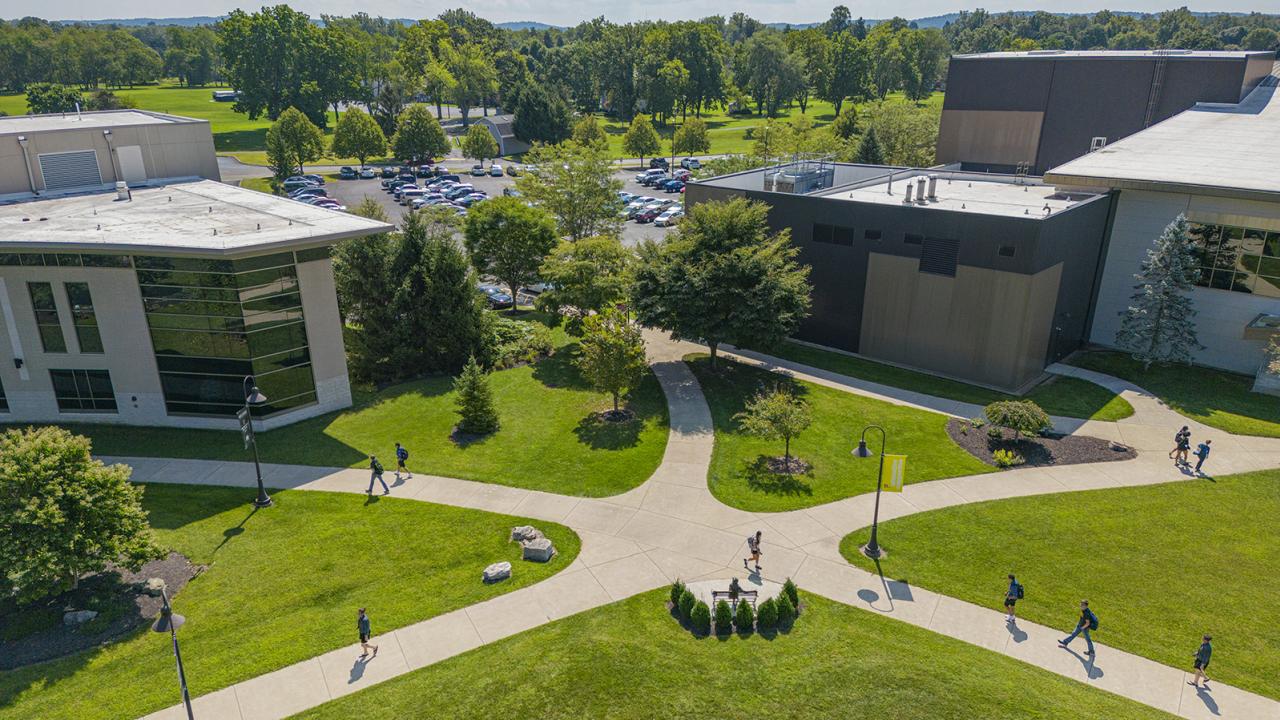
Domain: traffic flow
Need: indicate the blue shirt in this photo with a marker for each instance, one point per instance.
(1202, 450)
(1013, 589)
(402, 454)
(363, 623)
(1203, 653)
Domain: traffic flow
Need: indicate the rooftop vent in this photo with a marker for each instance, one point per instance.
(933, 187)
(906, 196)
(920, 183)
(122, 191)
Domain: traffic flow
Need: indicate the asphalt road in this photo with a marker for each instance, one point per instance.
(352, 192)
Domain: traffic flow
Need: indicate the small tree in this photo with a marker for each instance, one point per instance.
(358, 135)
(724, 618)
(869, 150)
(1024, 417)
(690, 138)
(478, 144)
(641, 140)
(1158, 326)
(576, 184)
(767, 615)
(686, 604)
(612, 354)
(745, 618)
(292, 142)
(776, 414)
(477, 414)
(64, 514)
(700, 618)
(419, 135)
(786, 609)
(508, 239)
(585, 276)
(846, 123)
(587, 131)
(45, 98)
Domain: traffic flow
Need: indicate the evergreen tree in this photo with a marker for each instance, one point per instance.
(358, 135)
(869, 151)
(362, 277)
(476, 411)
(845, 125)
(611, 357)
(419, 135)
(641, 140)
(1158, 326)
(541, 116)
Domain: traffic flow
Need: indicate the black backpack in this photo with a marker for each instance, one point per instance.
(1021, 593)
(1093, 621)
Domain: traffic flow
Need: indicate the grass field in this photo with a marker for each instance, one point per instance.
(282, 585)
(548, 439)
(738, 478)
(1068, 397)
(631, 660)
(1160, 565)
(1216, 398)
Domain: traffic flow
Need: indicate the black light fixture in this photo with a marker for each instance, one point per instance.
(872, 548)
(253, 396)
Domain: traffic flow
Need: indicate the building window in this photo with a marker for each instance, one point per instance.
(1238, 259)
(939, 256)
(1006, 251)
(913, 239)
(47, 323)
(870, 234)
(4, 399)
(83, 390)
(83, 317)
(832, 234)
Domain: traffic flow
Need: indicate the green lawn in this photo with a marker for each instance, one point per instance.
(1160, 565)
(548, 440)
(1068, 397)
(631, 660)
(736, 475)
(282, 585)
(1214, 397)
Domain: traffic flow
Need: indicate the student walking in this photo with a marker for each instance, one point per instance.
(375, 473)
(753, 545)
(1202, 452)
(366, 632)
(1178, 439)
(1202, 656)
(402, 456)
(1087, 623)
(1011, 598)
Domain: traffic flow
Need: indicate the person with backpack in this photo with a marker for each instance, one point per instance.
(1178, 439)
(402, 455)
(753, 545)
(1087, 623)
(375, 473)
(1011, 598)
(1202, 452)
(1202, 656)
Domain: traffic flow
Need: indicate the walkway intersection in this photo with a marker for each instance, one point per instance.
(672, 527)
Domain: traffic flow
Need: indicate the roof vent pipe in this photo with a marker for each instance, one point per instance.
(933, 187)
(920, 181)
(906, 196)
(122, 190)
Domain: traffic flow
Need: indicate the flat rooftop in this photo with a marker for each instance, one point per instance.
(969, 193)
(201, 217)
(1171, 54)
(20, 124)
(1230, 150)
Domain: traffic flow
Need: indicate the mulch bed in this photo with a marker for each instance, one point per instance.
(1052, 449)
(783, 466)
(122, 607)
(620, 415)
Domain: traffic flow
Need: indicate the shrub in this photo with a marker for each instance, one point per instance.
(1021, 416)
(745, 618)
(1007, 458)
(767, 615)
(977, 422)
(786, 609)
(686, 603)
(677, 589)
(792, 592)
(700, 618)
(995, 433)
(724, 618)
(513, 342)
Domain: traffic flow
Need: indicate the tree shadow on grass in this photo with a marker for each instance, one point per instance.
(761, 478)
(558, 370)
(238, 140)
(601, 434)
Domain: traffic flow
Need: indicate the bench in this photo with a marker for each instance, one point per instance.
(748, 595)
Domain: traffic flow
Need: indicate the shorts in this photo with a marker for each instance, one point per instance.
(1201, 666)
(364, 637)
(400, 464)
(1010, 602)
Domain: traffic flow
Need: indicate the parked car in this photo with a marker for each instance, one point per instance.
(477, 170)
(307, 189)
(495, 296)
(407, 177)
(513, 170)
(347, 173)
(450, 177)
(640, 178)
(653, 180)
(426, 171)
(388, 172)
(408, 194)
(510, 192)
(317, 179)
(659, 162)
(673, 186)
(296, 182)
(681, 174)
(469, 200)
(648, 214)
(459, 191)
(670, 216)
(495, 170)
(440, 170)
(690, 163)
(400, 191)
(405, 170)
(368, 173)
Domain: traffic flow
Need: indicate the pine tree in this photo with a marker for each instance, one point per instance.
(869, 150)
(1158, 325)
(477, 414)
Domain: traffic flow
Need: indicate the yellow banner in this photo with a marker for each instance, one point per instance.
(895, 470)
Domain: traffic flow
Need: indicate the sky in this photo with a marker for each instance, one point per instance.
(569, 12)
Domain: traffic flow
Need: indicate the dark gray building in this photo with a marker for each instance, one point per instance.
(1038, 109)
(985, 278)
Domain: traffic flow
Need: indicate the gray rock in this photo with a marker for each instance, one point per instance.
(497, 571)
(153, 586)
(540, 550)
(78, 617)
(524, 533)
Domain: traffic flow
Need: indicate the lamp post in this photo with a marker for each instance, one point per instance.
(872, 548)
(253, 396)
(169, 622)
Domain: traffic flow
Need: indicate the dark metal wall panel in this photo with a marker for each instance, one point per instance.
(998, 84)
(1187, 82)
(1076, 239)
(1106, 97)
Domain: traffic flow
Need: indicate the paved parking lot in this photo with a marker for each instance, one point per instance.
(351, 192)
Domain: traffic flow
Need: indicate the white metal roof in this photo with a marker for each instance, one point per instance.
(1232, 54)
(19, 124)
(203, 217)
(964, 193)
(1212, 148)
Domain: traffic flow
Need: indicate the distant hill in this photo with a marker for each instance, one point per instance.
(131, 22)
(527, 25)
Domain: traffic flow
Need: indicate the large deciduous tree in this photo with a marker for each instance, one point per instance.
(419, 135)
(575, 183)
(723, 279)
(44, 98)
(641, 140)
(611, 354)
(64, 514)
(586, 275)
(1159, 324)
(508, 239)
(690, 138)
(357, 135)
(478, 144)
(273, 57)
(292, 142)
(587, 131)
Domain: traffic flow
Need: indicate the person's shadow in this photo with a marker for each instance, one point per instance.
(1017, 634)
(357, 668)
(399, 480)
(1209, 703)
(1092, 671)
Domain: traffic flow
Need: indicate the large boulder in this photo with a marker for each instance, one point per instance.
(540, 550)
(153, 586)
(78, 617)
(525, 533)
(497, 571)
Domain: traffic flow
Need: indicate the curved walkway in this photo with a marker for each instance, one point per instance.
(672, 527)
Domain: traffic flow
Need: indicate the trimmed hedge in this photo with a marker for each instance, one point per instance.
(700, 618)
(724, 618)
(786, 611)
(745, 618)
(791, 591)
(677, 589)
(686, 604)
(767, 615)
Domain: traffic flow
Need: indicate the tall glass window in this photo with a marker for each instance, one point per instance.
(215, 321)
(1239, 259)
(4, 400)
(47, 323)
(83, 317)
(83, 390)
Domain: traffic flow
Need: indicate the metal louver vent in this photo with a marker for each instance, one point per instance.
(939, 256)
(70, 169)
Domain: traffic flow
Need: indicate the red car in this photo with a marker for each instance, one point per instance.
(649, 215)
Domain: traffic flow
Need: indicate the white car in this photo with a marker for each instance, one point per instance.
(670, 216)
(368, 173)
